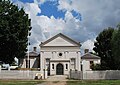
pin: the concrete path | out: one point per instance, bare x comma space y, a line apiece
53, 83
57, 78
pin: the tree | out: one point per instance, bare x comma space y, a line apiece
14, 28
115, 42
103, 48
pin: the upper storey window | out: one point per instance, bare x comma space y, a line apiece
60, 55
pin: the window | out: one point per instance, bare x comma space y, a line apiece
27, 64
52, 66
47, 60
72, 63
60, 54
72, 60
91, 64
66, 66
47, 63
81, 67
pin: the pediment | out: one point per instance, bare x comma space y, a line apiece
60, 40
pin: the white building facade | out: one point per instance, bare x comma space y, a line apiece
59, 54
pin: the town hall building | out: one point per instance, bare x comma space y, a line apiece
58, 55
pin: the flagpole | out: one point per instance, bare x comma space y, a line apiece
28, 52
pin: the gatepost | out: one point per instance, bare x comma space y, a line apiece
0, 68
45, 73
70, 73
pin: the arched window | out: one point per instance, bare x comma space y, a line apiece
52, 66
66, 66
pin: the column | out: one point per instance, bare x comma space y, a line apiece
53, 54
41, 62
65, 54
79, 59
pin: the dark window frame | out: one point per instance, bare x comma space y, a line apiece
53, 66
67, 66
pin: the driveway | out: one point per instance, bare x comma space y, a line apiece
55, 80
53, 83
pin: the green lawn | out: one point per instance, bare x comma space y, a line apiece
93, 82
81, 82
19, 82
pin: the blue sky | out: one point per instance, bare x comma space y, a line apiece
82, 20
24, 1
49, 8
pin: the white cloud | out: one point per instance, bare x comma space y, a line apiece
96, 15
64, 5
89, 44
68, 16
39, 1
30, 8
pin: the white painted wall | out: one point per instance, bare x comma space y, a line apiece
60, 45
66, 56
53, 71
86, 63
33, 62
23, 63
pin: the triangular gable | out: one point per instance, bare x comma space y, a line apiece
60, 40
89, 56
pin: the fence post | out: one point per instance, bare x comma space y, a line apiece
82, 75
9, 68
44, 73
70, 74
0, 68
28, 73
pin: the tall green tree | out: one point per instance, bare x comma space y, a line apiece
14, 28
115, 42
103, 48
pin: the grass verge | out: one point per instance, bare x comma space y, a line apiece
94, 82
19, 82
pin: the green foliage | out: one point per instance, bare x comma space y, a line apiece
14, 27
13, 63
115, 42
96, 67
103, 49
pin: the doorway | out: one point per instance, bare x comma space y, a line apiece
59, 69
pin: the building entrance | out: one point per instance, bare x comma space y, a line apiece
59, 69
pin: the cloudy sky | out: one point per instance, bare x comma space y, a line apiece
82, 20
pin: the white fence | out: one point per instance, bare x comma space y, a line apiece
76, 74
108, 74
16, 74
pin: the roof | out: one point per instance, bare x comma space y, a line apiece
32, 54
60, 34
89, 56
